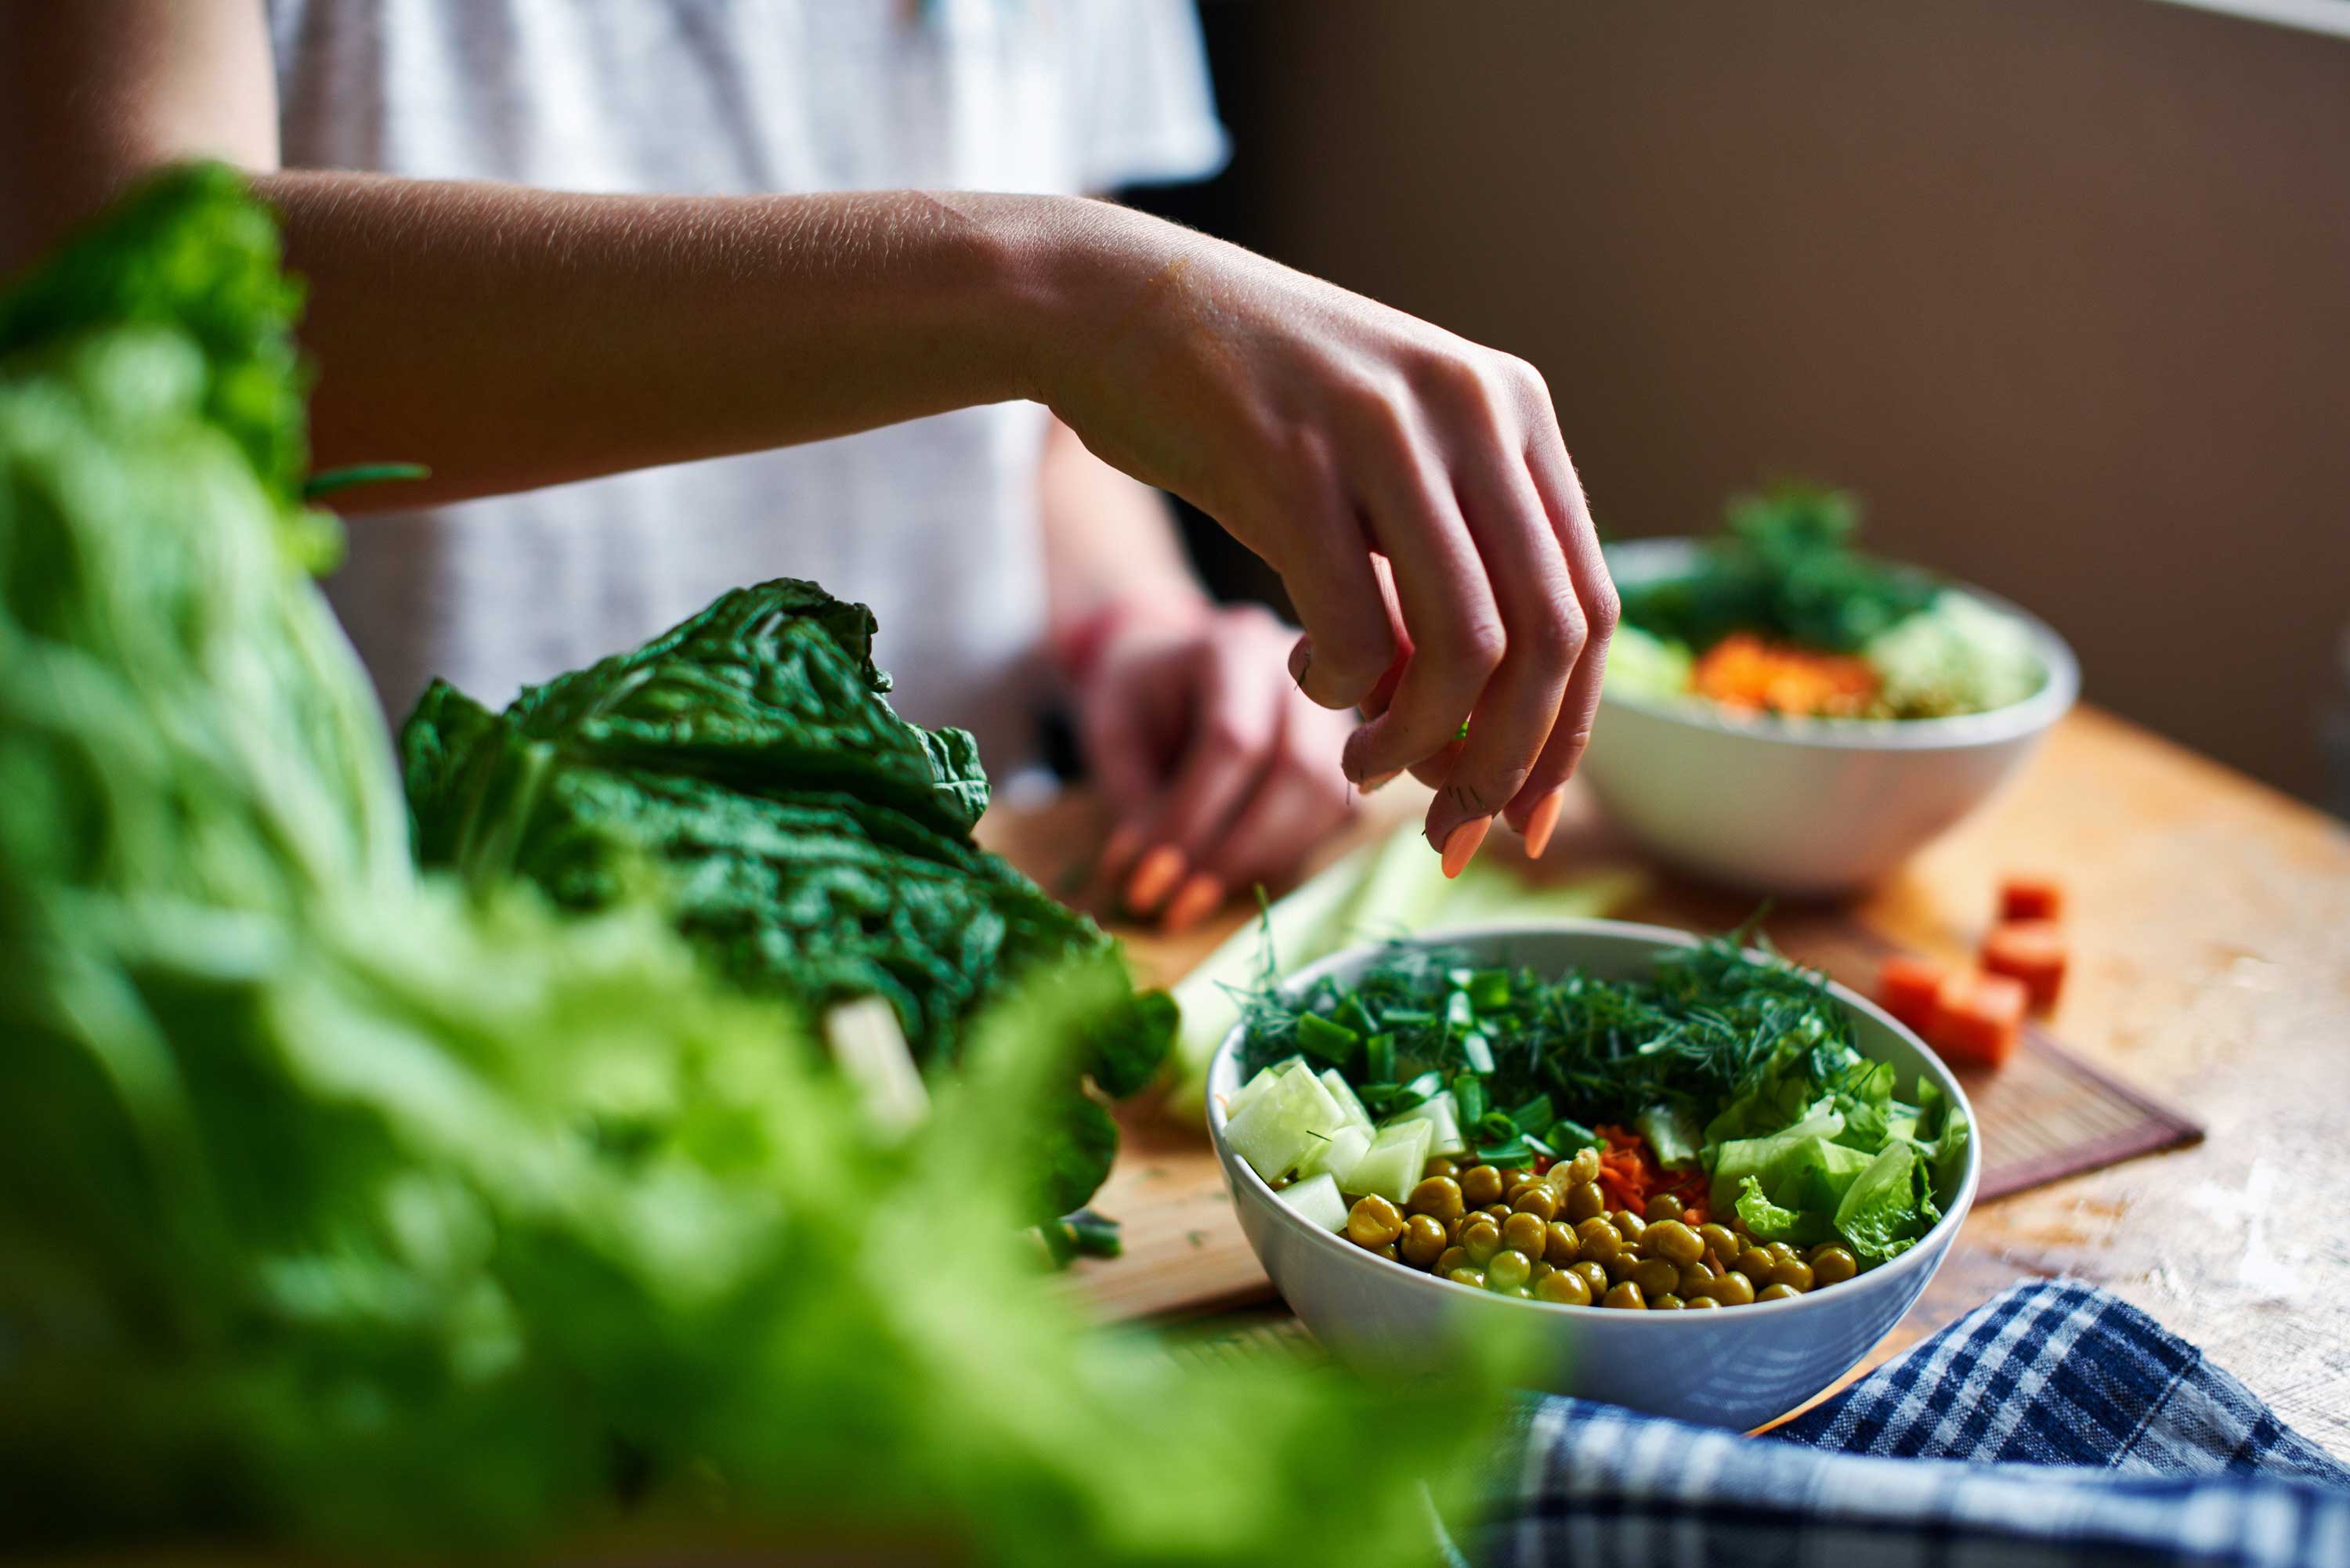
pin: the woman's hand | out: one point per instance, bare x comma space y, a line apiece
1331, 434
1219, 772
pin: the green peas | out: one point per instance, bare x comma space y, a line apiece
1701, 1303
1480, 1184
1599, 1239
1508, 1270
1624, 1297
1437, 1195
1537, 1199
1594, 1278
1473, 1278
1630, 1226
1721, 1241
1480, 1239
1656, 1277
1671, 1240
1373, 1222
1777, 1294
1423, 1240
1663, 1205
1526, 1232
1666, 1302
1565, 1287
1733, 1289
1559, 1244
1583, 1201
1833, 1265
1451, 1258
1792, 1272
1752, 1262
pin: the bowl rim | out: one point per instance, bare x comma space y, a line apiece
1646, 558
1876, 1280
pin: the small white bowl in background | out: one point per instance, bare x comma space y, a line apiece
1736, 1367
1808, 807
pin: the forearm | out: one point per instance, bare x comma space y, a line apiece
508, 338
1110, 540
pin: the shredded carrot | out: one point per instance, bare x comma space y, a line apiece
1742, 670
1629, 1175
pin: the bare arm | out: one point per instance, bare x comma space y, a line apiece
510, 338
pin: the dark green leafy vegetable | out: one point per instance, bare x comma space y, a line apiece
746, 767
1784, 569
341, 1209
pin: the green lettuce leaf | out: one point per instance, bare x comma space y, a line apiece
1771, 1222
1773, 1156
1889, 1206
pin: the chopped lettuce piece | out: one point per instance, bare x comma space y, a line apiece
1770, 1156
1770, 1222
1673, 1132
1889, 1206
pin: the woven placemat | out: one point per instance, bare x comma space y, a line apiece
2047, 1113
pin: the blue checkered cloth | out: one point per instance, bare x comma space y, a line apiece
2071, 1427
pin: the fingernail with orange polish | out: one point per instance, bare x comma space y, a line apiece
1460, 844
1197, 898
1540, 825
1154, 879
1119, 849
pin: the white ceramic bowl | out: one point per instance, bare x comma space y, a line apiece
1811, 807
1738, 1367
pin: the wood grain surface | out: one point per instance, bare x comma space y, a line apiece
2211, 923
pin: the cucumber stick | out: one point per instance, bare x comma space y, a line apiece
1392, 1167
1317, 1199
1444, 1123
1339, 1155
1277, 1129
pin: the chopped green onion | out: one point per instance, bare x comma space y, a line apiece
1354, 1014
1469, 1099
1334, 1043
1567, 1134
1534, 1116
1458, 1012
1489, 989
1425, 1088
1378, 1058
1479, 1053
1517, 1152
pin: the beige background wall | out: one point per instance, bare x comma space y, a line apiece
2061, 286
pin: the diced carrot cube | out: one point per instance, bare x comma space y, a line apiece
1982, 1018
1910, 989
2032, 952
2030, 898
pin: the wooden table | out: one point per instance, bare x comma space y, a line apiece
2210, 922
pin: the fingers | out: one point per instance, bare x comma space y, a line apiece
1300, 798
1236, 721
1544, 622
1456, 628
1563, 501
1349, 638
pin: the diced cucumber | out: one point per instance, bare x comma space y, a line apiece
1275, 1129
1344, 1094
1317, 1199
1443, 1118
1257, 1085
1339, 1153
1391, 1169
